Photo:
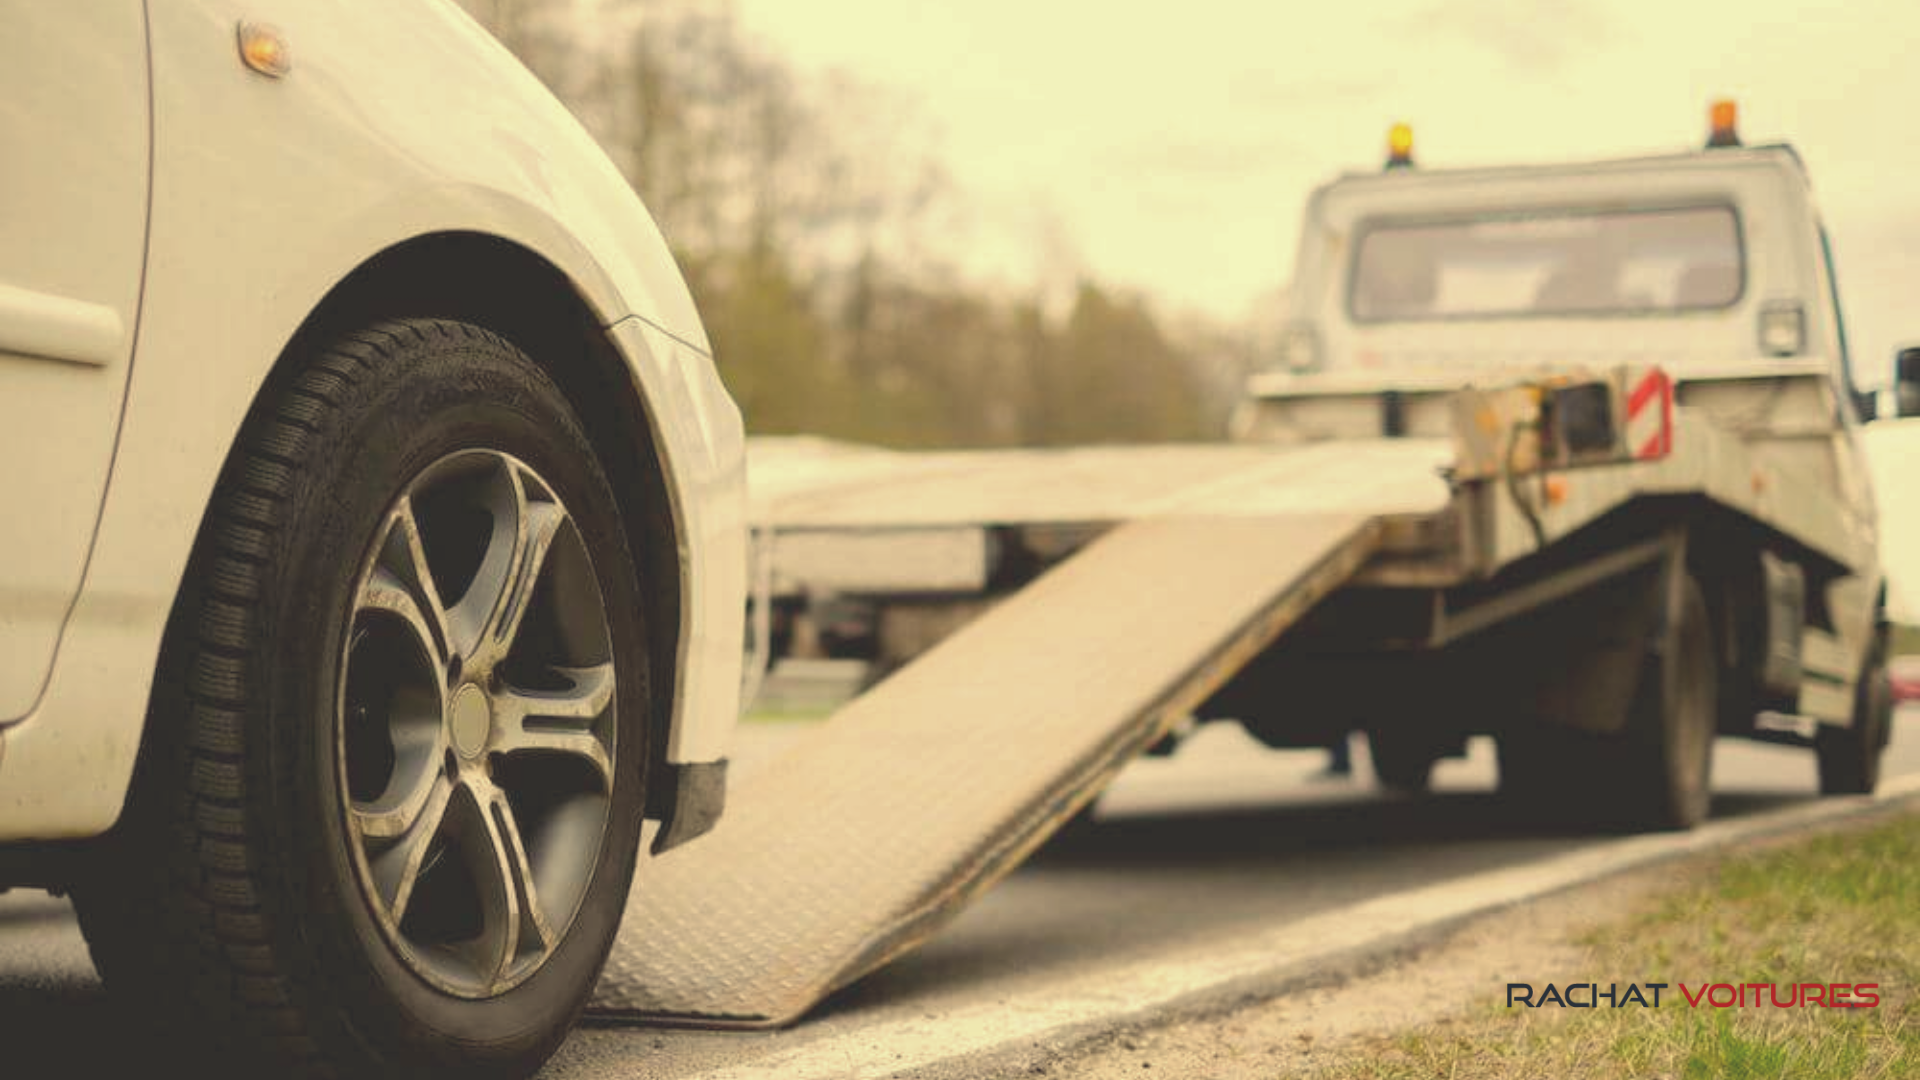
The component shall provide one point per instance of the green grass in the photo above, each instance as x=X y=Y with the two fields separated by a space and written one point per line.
x=1839 y=908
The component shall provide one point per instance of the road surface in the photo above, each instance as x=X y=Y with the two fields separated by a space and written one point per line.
x=1188 y=854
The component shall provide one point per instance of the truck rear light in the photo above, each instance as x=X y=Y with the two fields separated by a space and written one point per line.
x=1579 y=418
x=1564 y=422
x=1783 y=329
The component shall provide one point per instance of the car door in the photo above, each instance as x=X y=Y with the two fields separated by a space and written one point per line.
x=74 y=135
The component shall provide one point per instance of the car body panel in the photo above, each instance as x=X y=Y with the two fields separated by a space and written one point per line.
x=73 y=103
x=397 y=120
x=705 y=453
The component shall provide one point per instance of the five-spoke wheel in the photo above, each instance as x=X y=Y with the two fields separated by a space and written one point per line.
x=475 y=738
x=391 y=801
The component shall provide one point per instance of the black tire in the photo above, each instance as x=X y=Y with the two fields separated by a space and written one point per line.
x=235 y=906
x=1653 y=774
x=1545 y=771
x=1521 y=765
x=1850 y=757
x=1402 y=762
x=1665 y=758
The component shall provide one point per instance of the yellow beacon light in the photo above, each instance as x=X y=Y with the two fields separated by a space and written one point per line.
x=1399 y=146
x=1724 y=126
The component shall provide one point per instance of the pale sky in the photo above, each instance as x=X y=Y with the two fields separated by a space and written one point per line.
x=1176 y=142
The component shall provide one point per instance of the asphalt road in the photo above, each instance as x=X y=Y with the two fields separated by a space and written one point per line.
x=1186 y=853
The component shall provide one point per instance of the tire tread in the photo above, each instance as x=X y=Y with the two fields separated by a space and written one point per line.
x=216 y=933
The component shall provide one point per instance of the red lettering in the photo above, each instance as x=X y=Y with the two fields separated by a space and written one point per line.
x=1693 y=999
x=1815 y=994
x=1840 y=992
x=1756 y=988
x=1713 y=995
x=1869 y=996
x=1793 y=998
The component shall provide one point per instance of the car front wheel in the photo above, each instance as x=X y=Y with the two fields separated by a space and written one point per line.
x=390 y=800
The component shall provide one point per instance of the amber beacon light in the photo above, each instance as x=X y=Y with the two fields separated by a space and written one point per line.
x=1724 y=124
x=1399 y=146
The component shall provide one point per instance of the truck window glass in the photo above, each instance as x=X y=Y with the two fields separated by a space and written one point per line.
x=1560 y=262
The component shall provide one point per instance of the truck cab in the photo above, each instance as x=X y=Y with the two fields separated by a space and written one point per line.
x=1704 y=261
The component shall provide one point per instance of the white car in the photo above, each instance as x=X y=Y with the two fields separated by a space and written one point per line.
x=373 y=560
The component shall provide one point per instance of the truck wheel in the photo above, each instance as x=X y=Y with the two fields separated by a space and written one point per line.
x=1666 y=752
x=390 y=801
x=1402 y=762
x=1850 y=756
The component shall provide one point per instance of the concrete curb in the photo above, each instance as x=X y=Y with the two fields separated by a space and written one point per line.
x=1262 y=964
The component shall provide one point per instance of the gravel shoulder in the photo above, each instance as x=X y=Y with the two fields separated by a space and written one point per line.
x=1316 y=1029
x=1443 y=990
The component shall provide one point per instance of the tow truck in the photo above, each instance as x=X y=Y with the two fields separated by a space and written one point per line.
x=1567 y=455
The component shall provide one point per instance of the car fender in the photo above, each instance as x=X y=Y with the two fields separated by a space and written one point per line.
x=395 y=121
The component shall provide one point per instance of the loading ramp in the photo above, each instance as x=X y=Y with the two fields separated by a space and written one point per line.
x=917 y=796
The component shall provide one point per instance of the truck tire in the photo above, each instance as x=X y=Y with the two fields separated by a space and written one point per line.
x=1655 y=773
x=1403 y=762
x=1547 y=772
x=1529 y=768
x=1850 y=756
x=389 y=805
x=1665 y=756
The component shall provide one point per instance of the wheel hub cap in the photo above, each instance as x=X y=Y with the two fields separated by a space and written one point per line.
x=472 y=721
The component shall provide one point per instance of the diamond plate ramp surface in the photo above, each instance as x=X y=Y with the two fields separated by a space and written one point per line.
x=864 y=838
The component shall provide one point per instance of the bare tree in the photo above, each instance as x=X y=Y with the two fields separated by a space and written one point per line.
x=807 y=214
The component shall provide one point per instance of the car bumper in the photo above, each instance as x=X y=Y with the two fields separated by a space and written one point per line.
x=699 y=432
x=687 y=800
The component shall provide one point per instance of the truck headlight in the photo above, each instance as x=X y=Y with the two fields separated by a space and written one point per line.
x=1783 y=328
x=1299 y=348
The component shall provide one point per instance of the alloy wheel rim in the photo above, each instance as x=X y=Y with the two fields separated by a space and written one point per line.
x=475 y=733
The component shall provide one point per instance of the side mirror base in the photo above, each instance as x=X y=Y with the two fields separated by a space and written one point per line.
x=1906 y=382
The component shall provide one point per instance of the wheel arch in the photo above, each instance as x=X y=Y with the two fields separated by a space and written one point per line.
x=515 y=292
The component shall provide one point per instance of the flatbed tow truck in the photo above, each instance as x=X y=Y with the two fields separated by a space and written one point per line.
x=1564 y=455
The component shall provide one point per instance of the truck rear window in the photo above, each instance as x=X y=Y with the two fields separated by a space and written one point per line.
x=1613 y=262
